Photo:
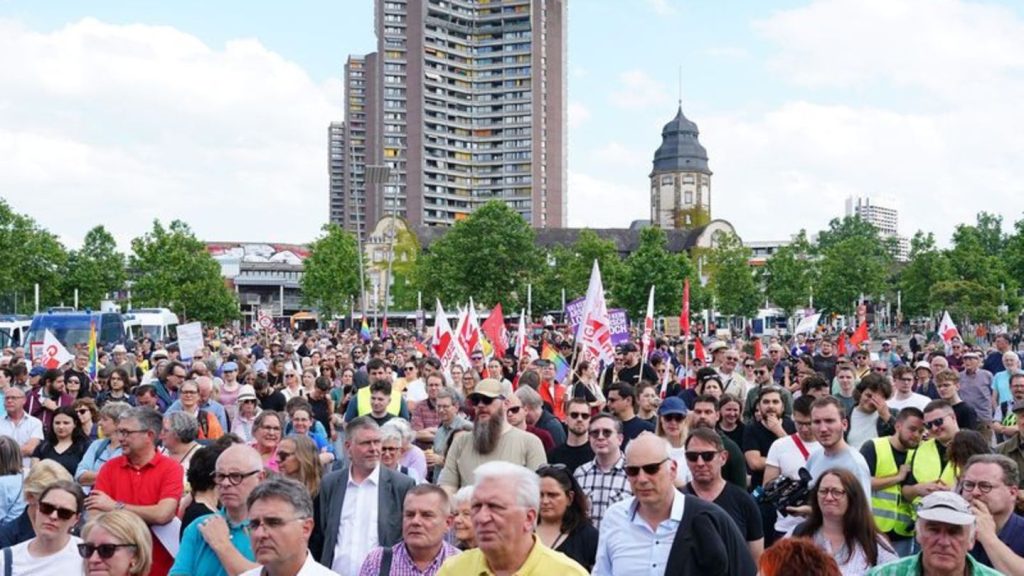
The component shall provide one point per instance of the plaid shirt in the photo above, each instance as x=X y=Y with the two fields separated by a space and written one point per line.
x=401 y=562
x=603 y=488
x=424 y=415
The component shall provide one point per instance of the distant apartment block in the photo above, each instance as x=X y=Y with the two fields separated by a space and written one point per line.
x=883 y=215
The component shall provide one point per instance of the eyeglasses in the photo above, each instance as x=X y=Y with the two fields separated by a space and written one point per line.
x=673 y=417
x=48 y=509
x=879 y=369
x=579 y=415
x=556 y=467
x=389 y=449
x=748 y=365
x=802 y=423
x=481 y=400
x=602 y=433
x=836 y=493
x=189 y=392
x=124 y=432
x=706 y=456
x=282 y=456
x=760 y=372
x=82 y=411
x=514 y=409
x=235 y=478
x=932 y=424
x=410 y=368
x=272 y=523
x=968 y=486
x=649 y=469
x=106 y=551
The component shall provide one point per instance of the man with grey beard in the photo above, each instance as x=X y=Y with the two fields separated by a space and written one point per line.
x=492 y=439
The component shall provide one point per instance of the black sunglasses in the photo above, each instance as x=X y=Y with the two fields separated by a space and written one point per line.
x=597 y=433
x=934 y=423
x=515 y=409
x=673 y=417
x=481 y=400
x=649 y=469
x=106 y=551
x=706 y=456
x=63 y=513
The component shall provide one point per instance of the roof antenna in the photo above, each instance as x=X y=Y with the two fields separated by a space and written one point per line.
x=680 y=87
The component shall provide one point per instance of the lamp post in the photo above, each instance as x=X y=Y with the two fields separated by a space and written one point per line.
x=382 y=175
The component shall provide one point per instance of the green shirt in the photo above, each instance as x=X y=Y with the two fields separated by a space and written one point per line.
x=911 y=566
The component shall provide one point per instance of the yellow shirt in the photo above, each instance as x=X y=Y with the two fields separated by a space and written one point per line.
x=542 y=561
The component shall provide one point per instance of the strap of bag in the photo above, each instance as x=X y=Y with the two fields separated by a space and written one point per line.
x=800 y=446
x=8 y=561
x=385 y=562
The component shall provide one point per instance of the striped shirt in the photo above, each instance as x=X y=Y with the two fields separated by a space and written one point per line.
x=603 y=488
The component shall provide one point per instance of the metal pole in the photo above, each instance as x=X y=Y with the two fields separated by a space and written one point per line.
x=391 y=251
x=529 y=301
x=76 y=298
x=37 y=297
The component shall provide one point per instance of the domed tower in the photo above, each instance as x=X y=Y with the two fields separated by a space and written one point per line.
x=681 y=179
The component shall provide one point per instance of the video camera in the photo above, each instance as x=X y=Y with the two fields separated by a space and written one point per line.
x=784 y=492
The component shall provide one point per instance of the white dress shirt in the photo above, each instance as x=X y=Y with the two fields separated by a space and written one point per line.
x=628 y=547
x=309 y=568
x=357 y=531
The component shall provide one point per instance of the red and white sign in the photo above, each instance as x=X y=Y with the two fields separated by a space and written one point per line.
x=54 y=354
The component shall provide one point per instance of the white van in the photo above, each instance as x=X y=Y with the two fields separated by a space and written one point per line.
x=159 y=324
x=13 y=330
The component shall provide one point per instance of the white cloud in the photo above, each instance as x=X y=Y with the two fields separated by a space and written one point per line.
x=662 y=7
x=638 y=91
x=617 y=155
x=122 y=124
x=596 y=202
x=578 y=114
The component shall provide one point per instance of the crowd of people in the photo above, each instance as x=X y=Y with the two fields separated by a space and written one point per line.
x=322 y=452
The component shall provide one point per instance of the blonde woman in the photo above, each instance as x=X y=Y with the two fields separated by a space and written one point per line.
x=116 y=543
x=672 y=427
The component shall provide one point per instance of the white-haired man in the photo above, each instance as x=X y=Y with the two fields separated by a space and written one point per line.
x=505 y=506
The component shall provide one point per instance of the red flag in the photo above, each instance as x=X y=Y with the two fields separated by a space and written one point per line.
x=494 y=329
x=758 y=350
x=698 y=351
x=841 y=345
x=684 y=314
x=861 y=335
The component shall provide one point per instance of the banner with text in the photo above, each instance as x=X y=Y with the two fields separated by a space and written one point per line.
x=617 y=317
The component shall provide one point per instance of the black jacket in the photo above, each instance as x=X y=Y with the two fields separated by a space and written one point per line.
x=708 y=543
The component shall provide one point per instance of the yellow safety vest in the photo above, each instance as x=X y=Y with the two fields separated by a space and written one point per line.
x=892 y=513
x=363 y=402
x=927 y=467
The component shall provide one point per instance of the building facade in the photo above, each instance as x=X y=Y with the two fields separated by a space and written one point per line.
x=883 y=215
x=680 y=178
x=464 y=102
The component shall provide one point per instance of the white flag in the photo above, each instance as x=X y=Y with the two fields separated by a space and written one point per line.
x=808 y=324
x=55 y=354
x=521 y=335
x=594 y=333
x=947 y=330
x=443 y=341
x=648 y=327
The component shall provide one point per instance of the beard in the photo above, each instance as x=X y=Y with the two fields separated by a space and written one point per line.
x=487 y=433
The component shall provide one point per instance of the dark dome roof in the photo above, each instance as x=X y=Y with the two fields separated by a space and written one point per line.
x=680 y=150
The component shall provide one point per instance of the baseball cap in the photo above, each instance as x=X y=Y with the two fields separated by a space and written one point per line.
x=488 y=387
x=716 y=346
x=886 y=342
x=672 y=405
x=158 y=354
x=946 y=507
x=36 y=371
x=1018 y=406
x=971 y=355
x=246 y=392
x=229 y=367
x=923 y=365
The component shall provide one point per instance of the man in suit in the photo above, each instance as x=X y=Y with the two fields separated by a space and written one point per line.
x=361 y=505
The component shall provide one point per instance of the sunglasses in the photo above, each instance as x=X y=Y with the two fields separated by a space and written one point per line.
x=515 y=409
x=580 y=415
x=932 y=424
x=649 y=469
x=673 y=417
x=106 y=551
x=63 y=513
x=605 y=433
x=82 y=411
x=481 y=400
x=706 y=456
x=282 y=456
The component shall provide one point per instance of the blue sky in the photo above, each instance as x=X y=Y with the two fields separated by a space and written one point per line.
x=127 y=111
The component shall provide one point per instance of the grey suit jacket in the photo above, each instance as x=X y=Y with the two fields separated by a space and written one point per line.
x=391 y=498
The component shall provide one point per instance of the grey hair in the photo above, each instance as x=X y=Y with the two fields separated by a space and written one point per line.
x=529 y=397
x=463 y=496
x=527 y=483
x=149 y=419
x=389 y=433
x=972 y=528
x=286 y=490
x=403 y=428
x=1010 y=353
x=183 y=425
x=113 y=410
x=358 y=424
x=1011 y=472
x=451 y=394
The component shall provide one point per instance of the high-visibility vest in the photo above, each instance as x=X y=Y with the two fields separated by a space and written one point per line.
x=927 y=467
x=892 y=513
x=363 y=402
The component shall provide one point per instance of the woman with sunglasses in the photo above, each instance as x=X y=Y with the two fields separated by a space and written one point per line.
x=672 y=427
x=299 y=459
x=563 y=522
x=64 y=442
x=53 y=550
x=841 y=524
x=248 y=409
x=116 y=543
x=87 y=412
x=117 y=391
x=73 y=385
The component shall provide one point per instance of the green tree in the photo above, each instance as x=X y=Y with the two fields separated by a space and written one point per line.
x=789 y=275
x=29 y=255
x=731 y=277
x=171 y=267
x=404 y=288
x=974 y=264
x=96 y=270
x=330 y=276
x=928 y=266
x=569 y=267
x=490 y=256
x=967 y=300
x=853 y=260
x=651 y=264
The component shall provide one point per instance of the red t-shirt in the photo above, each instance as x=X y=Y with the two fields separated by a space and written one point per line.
x=158 y=479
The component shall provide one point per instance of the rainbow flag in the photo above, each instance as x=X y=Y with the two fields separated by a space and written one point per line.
x=364 y=331
x=94 y=359
x=549 y=353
